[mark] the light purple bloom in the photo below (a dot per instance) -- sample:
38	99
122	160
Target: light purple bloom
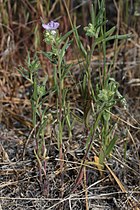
51	26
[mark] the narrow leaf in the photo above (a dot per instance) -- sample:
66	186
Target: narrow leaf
111	146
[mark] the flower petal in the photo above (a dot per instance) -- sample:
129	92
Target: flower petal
51	25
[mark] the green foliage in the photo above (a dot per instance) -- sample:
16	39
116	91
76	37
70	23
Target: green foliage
104	96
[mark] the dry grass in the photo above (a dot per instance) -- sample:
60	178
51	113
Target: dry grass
20	188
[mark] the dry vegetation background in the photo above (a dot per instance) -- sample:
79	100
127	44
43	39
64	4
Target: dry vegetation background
20	32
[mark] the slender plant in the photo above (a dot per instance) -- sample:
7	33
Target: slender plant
59	45
102	99
40	117
97	102
40	114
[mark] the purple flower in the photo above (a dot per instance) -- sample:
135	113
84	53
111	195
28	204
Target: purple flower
51	26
